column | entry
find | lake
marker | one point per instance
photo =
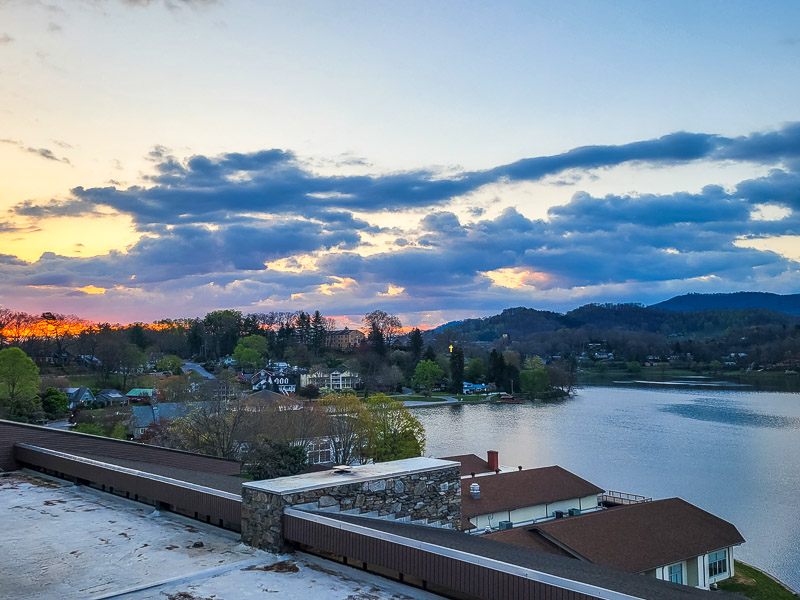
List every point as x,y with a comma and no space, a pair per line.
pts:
733,453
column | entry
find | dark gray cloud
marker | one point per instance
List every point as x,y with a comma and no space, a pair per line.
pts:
210,224
204,189
45,153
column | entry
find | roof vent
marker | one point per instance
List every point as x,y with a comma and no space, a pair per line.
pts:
475,490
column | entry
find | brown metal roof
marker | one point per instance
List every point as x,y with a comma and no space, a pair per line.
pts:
560,566
518,489
637,537
522,537
470,463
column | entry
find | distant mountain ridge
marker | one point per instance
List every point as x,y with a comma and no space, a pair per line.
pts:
788,304
691,313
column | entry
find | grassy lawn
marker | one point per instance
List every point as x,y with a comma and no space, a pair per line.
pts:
752,583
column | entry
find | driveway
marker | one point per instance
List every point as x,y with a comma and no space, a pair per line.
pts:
190,366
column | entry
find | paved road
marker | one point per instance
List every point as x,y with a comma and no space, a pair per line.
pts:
190,366
59,425
419,403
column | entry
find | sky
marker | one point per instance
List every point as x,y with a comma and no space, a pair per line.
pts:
436,160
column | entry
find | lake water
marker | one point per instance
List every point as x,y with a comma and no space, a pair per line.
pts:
733,453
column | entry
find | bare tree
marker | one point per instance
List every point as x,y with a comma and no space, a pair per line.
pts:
347,426
215,425
388,325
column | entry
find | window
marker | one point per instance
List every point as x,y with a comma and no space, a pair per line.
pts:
676,573
319,451
717,563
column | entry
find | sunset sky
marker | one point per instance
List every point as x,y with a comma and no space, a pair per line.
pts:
438,160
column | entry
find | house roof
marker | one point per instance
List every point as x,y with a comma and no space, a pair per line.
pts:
266,396
77,393
140,392
544,562
470,463
345,331
143,416
634,538
518,489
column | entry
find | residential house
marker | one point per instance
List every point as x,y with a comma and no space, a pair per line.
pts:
110,397
142,395
668,539
507,499
143,416
283,383
475,388
79,396
344,339
220,390
337,379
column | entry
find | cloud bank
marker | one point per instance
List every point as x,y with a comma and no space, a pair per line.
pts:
263,229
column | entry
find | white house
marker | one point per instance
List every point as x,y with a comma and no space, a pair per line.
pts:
508,499
336,379
668,539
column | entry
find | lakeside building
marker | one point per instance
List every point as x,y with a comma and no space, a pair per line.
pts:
337,379
674,541
397,519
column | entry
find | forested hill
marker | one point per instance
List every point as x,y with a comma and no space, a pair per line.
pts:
789,304
520,322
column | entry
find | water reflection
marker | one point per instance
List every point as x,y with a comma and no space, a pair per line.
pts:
719,411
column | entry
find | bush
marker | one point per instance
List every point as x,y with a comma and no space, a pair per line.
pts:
309,391
267,459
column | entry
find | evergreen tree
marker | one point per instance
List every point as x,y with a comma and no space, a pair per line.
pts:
415,344
497,369
302,327
430,354
377,341
457,370
195,337
318,332
136,335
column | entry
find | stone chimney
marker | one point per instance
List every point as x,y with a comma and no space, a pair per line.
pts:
493,460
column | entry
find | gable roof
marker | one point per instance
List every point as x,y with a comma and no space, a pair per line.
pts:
518,489
470,463
143,416
637,537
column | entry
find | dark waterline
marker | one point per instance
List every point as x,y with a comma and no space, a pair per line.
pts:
733,453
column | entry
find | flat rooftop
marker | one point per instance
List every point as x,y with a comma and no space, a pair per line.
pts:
353,474
63,541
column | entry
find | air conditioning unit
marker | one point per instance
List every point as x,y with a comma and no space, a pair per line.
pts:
558,514
505,525
574,511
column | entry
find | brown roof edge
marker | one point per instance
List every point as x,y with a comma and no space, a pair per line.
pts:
115,440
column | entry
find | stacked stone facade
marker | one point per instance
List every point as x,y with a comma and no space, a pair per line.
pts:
434,495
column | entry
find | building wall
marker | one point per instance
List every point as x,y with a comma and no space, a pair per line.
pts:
434,495
70,441
530,513
695,571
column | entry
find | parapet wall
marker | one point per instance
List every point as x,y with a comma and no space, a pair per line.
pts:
73,442
416,488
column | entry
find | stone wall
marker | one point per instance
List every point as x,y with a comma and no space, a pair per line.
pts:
434,495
